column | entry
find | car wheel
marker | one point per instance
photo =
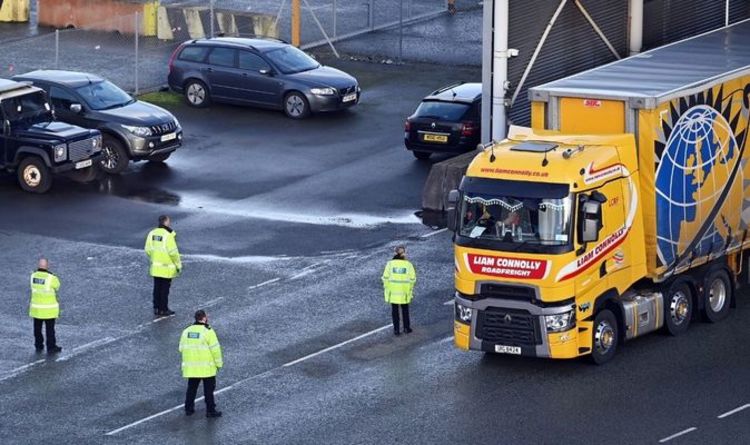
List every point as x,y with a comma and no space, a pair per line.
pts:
605,337
678,307
296,105
717,295
196,94
114,156
421,155
84,175
34,176
159,158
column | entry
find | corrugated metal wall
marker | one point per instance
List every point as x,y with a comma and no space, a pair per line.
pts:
573,46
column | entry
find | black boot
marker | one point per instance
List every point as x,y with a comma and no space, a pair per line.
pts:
213,414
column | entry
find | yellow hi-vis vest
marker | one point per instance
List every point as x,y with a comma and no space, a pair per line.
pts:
44,287
161,248
398,282
201,352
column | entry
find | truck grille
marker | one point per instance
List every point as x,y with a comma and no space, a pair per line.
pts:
503,291
80,150
508,327
166,127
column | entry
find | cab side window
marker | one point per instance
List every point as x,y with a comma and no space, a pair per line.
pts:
61,99
252,62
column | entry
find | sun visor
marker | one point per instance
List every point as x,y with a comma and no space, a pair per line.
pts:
522,189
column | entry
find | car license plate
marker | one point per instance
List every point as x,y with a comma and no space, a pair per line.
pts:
169,137
502,349
83,164
441,138
350,97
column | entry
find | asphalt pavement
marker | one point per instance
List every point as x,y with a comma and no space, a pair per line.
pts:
285,227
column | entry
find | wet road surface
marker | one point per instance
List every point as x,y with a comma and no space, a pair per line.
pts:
285,227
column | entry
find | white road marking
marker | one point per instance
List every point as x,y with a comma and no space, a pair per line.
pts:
427,235
265,283
734,411
239,382
449,302
209,303
302,274
446,340
17,371
74,352
676,435
331,348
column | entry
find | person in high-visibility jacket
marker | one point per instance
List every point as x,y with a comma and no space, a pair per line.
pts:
201,359
399,279
161,248
44,307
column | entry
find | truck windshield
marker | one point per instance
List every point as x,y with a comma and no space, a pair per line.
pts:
31,107
515,222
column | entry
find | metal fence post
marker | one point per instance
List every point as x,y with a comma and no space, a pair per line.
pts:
401,30
371,15
57,49
211,16
334,18
136,53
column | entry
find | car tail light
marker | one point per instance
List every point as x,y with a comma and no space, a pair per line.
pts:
468,128
407,126
174,56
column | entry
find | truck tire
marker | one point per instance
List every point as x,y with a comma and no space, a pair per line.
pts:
421,155
196,94
717,295
160,158
115,157
678,307
605,337
33,175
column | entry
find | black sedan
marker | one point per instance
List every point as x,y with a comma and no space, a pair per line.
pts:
131,129
447,121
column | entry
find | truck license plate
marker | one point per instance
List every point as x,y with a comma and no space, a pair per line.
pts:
430,137
502,349
83,164
350,97
169,137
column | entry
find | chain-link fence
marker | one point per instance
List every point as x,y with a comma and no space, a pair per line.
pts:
134,53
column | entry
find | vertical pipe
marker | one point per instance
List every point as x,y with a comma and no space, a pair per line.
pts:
211,17
371,15
296,22
136,53
726,13
334,19
57,49
401,30
487,15
499,69
636,26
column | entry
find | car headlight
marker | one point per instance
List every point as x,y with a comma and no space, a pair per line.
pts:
143,132
561,322
60,152
96,144
463,313
323,91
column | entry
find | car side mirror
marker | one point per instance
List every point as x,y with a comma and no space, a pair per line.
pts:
76,108
266,72
6,126
591,220
452,221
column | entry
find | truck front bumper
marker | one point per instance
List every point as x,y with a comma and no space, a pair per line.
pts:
526,335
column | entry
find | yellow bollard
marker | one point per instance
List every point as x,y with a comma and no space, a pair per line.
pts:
14,11
295,22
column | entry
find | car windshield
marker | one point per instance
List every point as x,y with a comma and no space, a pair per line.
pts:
31,106
104,95
291,60
512,222
446,111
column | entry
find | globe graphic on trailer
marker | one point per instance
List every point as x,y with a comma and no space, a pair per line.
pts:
688,185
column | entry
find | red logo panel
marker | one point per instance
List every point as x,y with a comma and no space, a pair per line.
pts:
504,267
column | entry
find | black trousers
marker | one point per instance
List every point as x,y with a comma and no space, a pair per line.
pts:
405,313
161,293
49,325
209,385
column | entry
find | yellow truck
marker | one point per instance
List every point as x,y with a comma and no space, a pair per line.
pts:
623,210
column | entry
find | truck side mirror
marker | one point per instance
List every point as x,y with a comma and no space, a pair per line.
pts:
452,222
591,220
76,108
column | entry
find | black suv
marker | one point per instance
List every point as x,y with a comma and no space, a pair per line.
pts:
261,72
447,121
132,129
35,146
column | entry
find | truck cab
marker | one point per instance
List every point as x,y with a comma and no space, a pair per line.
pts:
36,147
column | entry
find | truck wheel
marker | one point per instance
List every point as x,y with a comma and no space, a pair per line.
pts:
114,156
34,176
605,337
296,105
717,295
196,94
421,155
678,307
159,158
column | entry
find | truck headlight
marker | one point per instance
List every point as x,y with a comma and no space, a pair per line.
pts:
561,322
463,313
60,152
143,132
323,91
